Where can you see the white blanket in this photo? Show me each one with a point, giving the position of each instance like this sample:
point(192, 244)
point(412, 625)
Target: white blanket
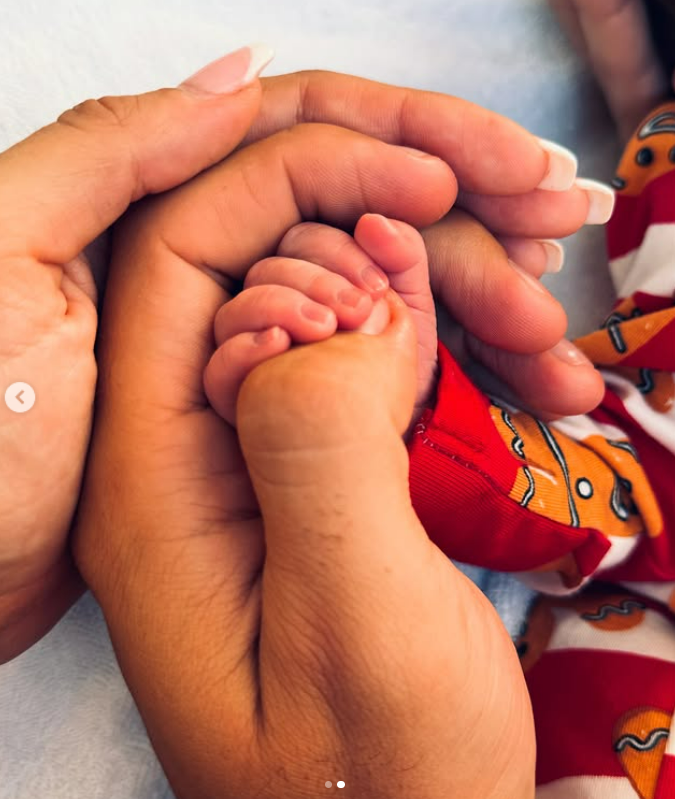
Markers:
point(68, 727)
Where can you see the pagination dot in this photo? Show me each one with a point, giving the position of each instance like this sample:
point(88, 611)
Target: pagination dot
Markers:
point(341, 784)
point(329, 784)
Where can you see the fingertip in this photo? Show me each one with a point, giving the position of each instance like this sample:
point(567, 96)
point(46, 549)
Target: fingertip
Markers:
point(535, 321)
point(390, 315)
point(376, 227)
point(393, 244)
point(320, 316)
point(536, 256)
point(373, 232)
point(378, 222)
point(601, 199)
point(378, 320)
point(234, 360)
point(375, 280)
point(549, 384)
point(561, 167)
point(274, 336)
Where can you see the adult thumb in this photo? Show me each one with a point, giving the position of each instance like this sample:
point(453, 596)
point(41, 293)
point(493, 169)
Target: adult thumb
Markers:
point(65, 184)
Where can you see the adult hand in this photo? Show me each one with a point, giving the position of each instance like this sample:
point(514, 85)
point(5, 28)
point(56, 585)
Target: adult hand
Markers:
point(299, 628)
point(104, 154)
point(59, 189)
point(481, 256)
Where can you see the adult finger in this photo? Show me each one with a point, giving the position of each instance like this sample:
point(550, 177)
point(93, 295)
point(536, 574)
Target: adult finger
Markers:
point(558, 382)
point(568, 17)
point(536, 256)
point(489, 153)
point(253, 198)
point(234, 215)
point(100, 156)
point(515, 327)
point(543, 214)
point(490, 295)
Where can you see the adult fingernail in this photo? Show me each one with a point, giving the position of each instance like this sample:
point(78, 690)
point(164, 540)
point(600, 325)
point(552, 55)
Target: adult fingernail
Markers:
point(566, 352)
point(601, 199)
point(378, 320)
point(555, 255)
point(420, 155)
point(532, 282)
point(374, 278)
point(231, 72)
point(350, 297)
point(316, 313)
point(562, 167)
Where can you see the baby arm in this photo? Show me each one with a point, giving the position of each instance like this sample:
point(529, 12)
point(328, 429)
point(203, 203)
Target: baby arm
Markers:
point(321, 281)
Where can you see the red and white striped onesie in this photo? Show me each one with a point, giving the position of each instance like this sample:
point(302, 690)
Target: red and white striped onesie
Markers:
point(584, 503)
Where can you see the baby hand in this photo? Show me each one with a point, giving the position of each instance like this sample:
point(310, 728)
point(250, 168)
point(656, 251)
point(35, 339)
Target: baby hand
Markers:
point(321, 281)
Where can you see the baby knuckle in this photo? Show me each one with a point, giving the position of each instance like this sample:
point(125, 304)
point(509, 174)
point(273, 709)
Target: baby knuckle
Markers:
point(263, 271)
point(298, 237)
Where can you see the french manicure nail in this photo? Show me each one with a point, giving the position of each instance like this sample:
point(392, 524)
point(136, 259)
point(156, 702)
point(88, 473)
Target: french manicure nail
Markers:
point(601, 199)
point(231, 72)
point(374, 278)
point(531, 281)
point(562, 167)
point(566, 352)
point(555, 255)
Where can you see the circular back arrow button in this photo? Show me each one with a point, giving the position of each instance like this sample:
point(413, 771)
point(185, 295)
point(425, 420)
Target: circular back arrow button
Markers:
point(20, 397)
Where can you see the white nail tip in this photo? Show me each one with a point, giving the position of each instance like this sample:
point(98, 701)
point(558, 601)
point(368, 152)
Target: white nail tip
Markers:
point(562, 167)
point(601, 199)
point(555, 255)
point(261, 55)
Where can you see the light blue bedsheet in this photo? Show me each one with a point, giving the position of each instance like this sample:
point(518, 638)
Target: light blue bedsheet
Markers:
point(68, 727)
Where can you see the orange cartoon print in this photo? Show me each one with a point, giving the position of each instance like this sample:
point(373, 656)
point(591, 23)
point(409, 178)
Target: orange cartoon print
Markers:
point(608, 612)
point(581, 484)
point(639, 741)
point(649, 154)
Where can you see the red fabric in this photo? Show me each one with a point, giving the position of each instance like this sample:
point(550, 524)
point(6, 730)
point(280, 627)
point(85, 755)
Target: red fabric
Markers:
point(654, 558)
point(666, 784)
point(659, 351)
point(578, 696)
point(592, 706)
point(633, 215)
point(651, 303)
point(461, 473)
